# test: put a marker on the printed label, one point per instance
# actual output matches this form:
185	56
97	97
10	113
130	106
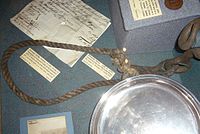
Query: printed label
40	64
143	9
98	67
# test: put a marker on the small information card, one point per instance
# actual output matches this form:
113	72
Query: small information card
98	67
59	123
143	9
40	65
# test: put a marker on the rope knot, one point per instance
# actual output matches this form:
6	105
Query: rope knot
120	59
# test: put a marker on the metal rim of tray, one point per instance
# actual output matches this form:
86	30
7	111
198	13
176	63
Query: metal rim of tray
192	103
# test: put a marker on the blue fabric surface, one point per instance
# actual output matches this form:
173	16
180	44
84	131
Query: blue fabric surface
189	8
154	34
33	84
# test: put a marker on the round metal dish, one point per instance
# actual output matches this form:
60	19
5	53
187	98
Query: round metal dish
146	104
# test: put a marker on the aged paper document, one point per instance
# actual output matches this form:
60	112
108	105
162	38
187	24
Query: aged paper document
65	21
40	65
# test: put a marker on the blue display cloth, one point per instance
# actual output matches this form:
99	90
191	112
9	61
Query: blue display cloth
35	85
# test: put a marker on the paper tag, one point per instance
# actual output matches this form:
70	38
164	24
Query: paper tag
143	9
97	66
40	64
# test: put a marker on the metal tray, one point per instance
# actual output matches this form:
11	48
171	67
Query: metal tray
146	104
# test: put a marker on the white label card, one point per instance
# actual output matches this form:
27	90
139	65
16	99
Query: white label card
98	67
38	63
143	9
64	21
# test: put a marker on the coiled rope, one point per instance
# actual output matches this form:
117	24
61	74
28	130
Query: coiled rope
167	68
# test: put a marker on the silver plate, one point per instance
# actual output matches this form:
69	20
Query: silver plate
147	104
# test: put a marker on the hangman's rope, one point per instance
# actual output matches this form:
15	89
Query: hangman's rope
38	101
167	68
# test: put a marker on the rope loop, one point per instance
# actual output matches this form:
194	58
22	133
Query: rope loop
167	67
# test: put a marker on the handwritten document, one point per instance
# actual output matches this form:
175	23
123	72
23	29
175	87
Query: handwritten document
66	21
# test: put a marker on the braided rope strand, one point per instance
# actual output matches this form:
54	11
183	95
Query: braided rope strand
167	67
44	102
